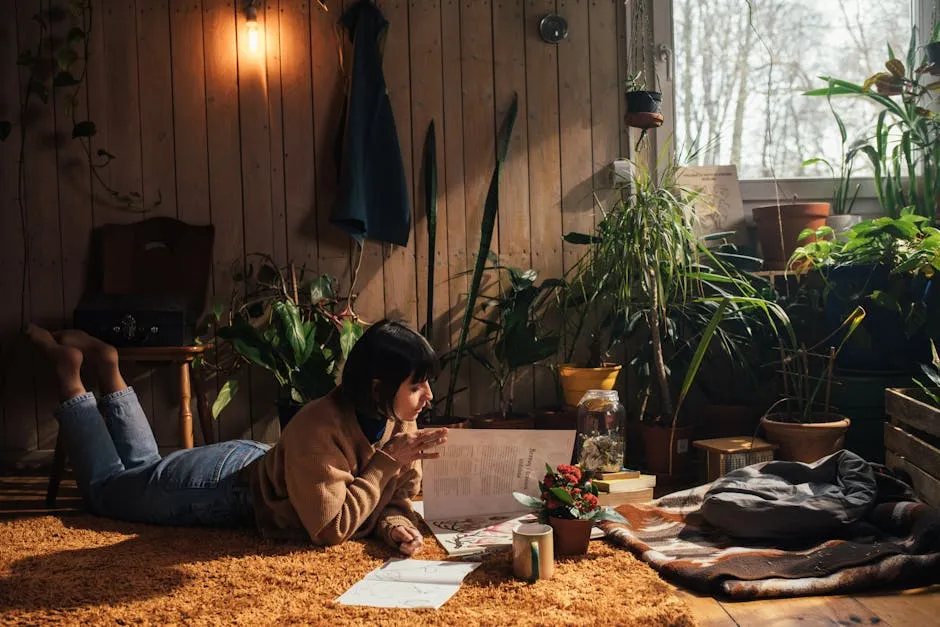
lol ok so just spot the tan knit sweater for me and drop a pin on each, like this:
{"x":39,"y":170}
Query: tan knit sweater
{"x":325,"y":481}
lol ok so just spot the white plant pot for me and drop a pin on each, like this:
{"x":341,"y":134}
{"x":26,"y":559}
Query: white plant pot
{"x":842,"y":223}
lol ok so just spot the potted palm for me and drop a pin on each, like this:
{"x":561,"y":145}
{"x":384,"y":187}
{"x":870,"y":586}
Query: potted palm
{"x":289,"y":326}
{"x":665,"y":291}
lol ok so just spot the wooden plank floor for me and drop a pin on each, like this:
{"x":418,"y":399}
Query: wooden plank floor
{"x":24,"y":496}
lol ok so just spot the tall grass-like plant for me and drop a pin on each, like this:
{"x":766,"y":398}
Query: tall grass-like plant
{"x":490,"y":213}
{"x":659,"y":284}
{"x":904,"y":149}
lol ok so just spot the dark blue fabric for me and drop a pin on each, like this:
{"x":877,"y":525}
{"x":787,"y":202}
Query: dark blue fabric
{"x":373,"y":194}
{"x":373,"y":428}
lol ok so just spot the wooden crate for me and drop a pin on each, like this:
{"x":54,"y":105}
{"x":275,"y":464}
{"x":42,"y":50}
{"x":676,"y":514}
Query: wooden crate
{"x":727,"y":454}
{"x":912,"y":440}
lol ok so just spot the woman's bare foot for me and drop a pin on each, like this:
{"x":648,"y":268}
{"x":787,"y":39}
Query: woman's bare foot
{"x":66,"y":360}
{"x":102,"y":355}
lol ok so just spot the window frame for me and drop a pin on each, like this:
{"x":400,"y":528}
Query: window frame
{"x":756,"y":191}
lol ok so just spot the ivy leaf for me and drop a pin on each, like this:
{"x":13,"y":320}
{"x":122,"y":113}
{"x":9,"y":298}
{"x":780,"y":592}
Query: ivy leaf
{"x":5,"y":128}
{"x":86,"y":128}
{"x":104,"y":153}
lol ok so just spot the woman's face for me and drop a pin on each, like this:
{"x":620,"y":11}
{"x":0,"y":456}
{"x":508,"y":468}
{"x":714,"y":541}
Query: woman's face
{"x":410,"y":399}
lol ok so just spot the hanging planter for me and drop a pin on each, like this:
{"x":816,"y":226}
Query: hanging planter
{"x":644,"y":109}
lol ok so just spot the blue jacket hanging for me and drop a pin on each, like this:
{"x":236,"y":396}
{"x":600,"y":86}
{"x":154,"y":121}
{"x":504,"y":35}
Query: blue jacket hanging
{"x":373,"y":193}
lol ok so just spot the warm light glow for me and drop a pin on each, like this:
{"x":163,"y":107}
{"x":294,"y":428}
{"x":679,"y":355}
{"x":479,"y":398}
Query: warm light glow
{"x":253,"y":36}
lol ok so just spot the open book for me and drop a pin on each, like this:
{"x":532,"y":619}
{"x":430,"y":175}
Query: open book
{"x":468,"y":501}
{"x":408,"y":583}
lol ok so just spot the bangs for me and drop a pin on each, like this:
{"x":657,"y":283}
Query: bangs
{"x":424,"y":362}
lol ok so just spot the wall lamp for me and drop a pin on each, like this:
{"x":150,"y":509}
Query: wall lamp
{"x":251,"y":20}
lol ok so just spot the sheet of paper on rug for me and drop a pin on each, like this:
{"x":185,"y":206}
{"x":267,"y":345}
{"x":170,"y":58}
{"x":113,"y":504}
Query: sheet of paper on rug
{"x":408,"y":583}
{"x":718,"y":207}
{"x":467,"y":491}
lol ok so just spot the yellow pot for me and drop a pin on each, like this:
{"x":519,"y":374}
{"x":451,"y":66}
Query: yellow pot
{"x":576,"y":381}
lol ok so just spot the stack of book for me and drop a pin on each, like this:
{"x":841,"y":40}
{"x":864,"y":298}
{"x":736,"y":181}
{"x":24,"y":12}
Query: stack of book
{"x":625,"y":486}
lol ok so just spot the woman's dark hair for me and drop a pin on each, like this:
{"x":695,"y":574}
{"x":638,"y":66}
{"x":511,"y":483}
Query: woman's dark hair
{"x":388,"y":352}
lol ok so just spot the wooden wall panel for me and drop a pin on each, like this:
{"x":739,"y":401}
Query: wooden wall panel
{"x":399,"y":273}
{"x":42,"y":223}
{"x":248,"y":142}
{"x":509,"y":59}
{"x":16,"y":378}
{"x":158,"y":172}
{"x":479,"y":154}
{"x":452,"y":181}
{"x":225,"y":174}
{"x":427,"y":106}
{"x":544,"y":164}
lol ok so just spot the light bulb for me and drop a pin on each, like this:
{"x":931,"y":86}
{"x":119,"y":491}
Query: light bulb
{"x":253,"y":36}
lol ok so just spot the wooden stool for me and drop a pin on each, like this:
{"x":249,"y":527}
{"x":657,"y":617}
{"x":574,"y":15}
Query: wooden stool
{"x":727,"y":454}
{"x":189,"y":385}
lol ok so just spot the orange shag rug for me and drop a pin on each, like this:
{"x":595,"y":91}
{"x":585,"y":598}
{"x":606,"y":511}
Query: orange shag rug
{"x":83,"y":569}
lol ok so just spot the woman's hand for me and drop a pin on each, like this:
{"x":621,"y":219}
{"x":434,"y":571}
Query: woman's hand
{"x":409,"y":539}
{"x":405,"y":448}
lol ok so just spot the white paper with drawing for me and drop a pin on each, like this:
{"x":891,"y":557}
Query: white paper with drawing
{"x":467,"y":492}
{"x":718,"y":207}
{"x":408,"y":583}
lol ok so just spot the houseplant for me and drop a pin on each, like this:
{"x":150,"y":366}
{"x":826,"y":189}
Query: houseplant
{"x":643,"y":106}
{"x":512,"y":338}
{"x":807,"y":427}
{"x":887,"y":265}
{"x":291,"y":327}
{"x":650,"y":280}
{"x":904,"y":150}
{"x":568,"y":502}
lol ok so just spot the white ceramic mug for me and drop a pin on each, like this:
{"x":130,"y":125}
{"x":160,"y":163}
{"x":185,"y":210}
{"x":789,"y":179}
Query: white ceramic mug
{"x":533,"y":552}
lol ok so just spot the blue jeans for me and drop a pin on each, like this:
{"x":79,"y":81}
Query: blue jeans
{"x":121,"y":474}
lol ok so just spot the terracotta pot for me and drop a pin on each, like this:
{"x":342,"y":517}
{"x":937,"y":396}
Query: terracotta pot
{"x":571,"y":536}
{"x":793,"y":217}
{"x":495,"y":420}
{"x":576,"y":381}
{"x":656,"y":446}
{"x":806,"y":441}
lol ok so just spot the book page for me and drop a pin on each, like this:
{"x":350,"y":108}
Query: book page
{"x":408,"y":583}
{"x":479,"y":469}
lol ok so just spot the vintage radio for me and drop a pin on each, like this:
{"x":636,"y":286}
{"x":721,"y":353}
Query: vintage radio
{"x":136,"y":319}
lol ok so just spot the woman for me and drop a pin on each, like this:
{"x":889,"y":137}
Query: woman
{"x":345,"y":467}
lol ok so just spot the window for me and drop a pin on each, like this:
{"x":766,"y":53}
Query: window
{"x":733,"y":74}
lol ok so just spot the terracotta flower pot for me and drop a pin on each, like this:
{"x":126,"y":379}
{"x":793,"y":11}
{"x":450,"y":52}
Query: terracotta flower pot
{"x":571,"y":536}
{"x":806,"y":441}
{"x":778,"y":228}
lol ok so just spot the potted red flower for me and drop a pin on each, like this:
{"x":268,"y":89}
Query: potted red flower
{"x":568,"y":502}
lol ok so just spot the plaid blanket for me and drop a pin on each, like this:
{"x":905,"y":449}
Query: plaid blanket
{"x":896,"y":543}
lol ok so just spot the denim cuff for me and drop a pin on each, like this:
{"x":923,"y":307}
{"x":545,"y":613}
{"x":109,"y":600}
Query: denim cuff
{"x":75,"y":401}
{"x":116,"y":396}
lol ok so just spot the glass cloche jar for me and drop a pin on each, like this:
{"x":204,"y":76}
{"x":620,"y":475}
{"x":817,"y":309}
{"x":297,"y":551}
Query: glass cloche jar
{"x":602,"y":427}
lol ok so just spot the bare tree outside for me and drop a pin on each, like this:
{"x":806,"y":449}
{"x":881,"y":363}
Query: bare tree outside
{"x":741,"y":70}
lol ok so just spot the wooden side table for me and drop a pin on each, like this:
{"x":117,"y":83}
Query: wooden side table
{"x":189,"y":385}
